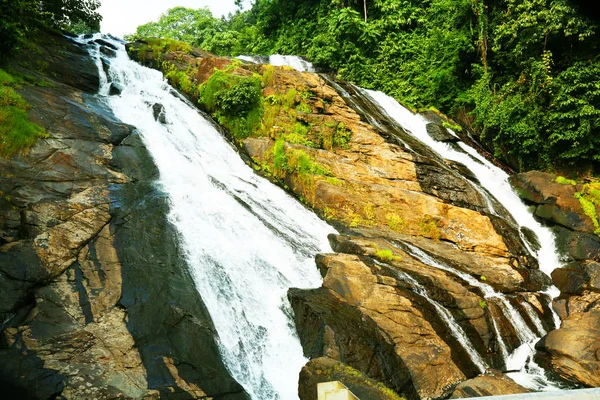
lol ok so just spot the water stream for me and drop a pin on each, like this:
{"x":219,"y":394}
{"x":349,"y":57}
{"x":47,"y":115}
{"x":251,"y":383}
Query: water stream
{"x":247,"y":241}
{"x":495,"y":182}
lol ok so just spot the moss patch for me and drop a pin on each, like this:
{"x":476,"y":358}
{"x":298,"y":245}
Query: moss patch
{"x":17,"y":132}
{"x":564,"y":181}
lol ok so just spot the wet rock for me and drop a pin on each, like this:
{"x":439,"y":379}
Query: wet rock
{"x":375,"y":323}
{"x":577,"y":277}
{"x":577,"y":245}
{"x":572,"y":351}
{"x":106,"y":43}
{"x":324,"y":369}
{"x":158,"y":111}
{"x":87,"y":308}
{"x":493,"y":383}
{"x":107,"y":51}
{"x":556,"y":202}
{"x":115,"y":89}
{"x":440,"y":133}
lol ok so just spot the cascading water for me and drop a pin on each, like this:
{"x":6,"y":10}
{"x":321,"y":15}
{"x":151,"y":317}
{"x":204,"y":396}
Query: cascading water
{"x":495,"y":182}
{"x":455,"y":329}
{"x":279,"y":61}
{"x":245,"y":239}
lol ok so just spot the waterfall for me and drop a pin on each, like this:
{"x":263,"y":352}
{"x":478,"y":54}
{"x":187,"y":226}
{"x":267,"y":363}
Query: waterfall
{"x":455,"y":329}
{"x":495,"y":182}
{"x":278,"y":60}
{"x":246,"y":241}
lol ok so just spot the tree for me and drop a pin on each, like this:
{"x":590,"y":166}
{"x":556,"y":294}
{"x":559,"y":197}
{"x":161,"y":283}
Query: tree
{"x":185,"y":24}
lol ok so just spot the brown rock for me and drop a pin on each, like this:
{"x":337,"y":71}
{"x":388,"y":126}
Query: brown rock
{"x":573,"y":351}
{"x":577,"y":277}
{"x":493,"y":383}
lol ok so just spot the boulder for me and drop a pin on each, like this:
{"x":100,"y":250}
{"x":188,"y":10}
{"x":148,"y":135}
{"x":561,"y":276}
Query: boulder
{"x":115,"y":89}
{"x":106,"y":43}
{"x":492,"y":383}
{"x":159,"y":113}
{"x":573,"y":350}
{"x":107,"y":51}
{"x":577,"y":245}
{"x":555,"y":202}
{"x":577,"y":277}
{"x":325,"y":369}
{"x":440,"y":133}
{"x":377,"y":326}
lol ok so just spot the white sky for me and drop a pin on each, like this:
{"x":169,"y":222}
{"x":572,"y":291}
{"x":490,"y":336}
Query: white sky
{"x":123,"y":16}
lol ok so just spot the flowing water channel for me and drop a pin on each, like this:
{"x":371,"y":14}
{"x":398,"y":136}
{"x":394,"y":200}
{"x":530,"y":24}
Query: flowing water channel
{"x":248,"y":242}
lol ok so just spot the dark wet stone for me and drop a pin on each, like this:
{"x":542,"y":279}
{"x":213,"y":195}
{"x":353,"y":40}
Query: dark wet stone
{"x":106,"y":43}
{"x":115,"y":89}
{"x":109,"y":52}
{"x":440,"y":133}
{"x":159,"y":113}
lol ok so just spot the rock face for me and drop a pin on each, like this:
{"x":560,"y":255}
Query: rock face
{"x":384,"y":310}
{"x":572,"y":351}
{"x":557,"y":204}
{"x":95,"y":297}
{"x":493,"y":383}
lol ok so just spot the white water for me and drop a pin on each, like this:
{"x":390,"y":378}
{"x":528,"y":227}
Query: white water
{"x":495,"y":182}
{"x":245,"y":239}
{"x":278,"y":60}
{"x":455,"y":329}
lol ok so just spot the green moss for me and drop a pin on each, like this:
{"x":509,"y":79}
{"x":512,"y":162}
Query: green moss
{"x":564,"y":181}
{"x":342,"y":135}
{"x":429,"y":228}
{"x":482,"y":303}
{"x":304,"y":164}
{"x":395,"y":222}
{"x":280,"y":162}
{"x":385,"y":255}
{"x":454,"y":127}
{"x":17,"y":132}
{"x":589,"y":208}
{"x":233,"y":100}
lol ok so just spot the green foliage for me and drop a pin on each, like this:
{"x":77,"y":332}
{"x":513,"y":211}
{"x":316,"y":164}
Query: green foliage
{"x":280,"y":162}
{"x":17,"y":133}
{"x":19,"y":19}
{"x":482,"y":304}
{"x":429,"y":228}
{"x":589,"y":198}
{"x":524,"y":73}
{"x":395,"y":222}
{"x":386,"y":255}
{"x":234,"y":101}
{"x":565,"y":181}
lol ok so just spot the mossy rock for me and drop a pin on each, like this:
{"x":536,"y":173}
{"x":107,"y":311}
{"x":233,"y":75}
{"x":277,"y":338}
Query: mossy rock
{"x":325,"y":369}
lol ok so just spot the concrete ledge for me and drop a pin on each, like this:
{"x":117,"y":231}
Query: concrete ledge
{"x":334,"y":391}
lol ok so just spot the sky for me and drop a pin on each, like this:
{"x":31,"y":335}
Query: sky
{"x":120,"y":17}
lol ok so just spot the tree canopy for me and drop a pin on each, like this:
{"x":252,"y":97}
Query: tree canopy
{"x":522,"y":74}
{"x":20,"y":18}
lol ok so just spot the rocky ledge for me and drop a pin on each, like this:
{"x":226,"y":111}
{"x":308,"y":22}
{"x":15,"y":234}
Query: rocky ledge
{"x":419,"y":245}
{"x":571,"y":209}
{"x":96,"y":301}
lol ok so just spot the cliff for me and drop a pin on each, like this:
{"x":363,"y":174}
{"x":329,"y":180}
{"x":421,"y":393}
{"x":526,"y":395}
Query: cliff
{"x":376,"y":312}
{"x":96,"y":300}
